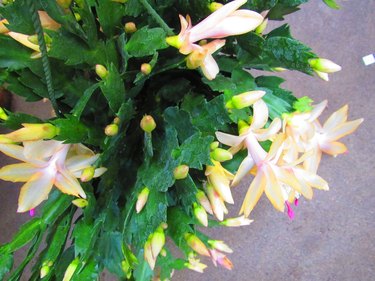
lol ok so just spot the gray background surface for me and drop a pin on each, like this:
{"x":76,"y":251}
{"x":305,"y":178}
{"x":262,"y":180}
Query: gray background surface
{"x":332,"y":236}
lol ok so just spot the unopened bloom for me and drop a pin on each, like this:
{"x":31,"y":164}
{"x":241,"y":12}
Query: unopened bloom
{"x":181,"y":172}
{"x":153,"y":246}
{"x":201,"y":214}
{"x":142,"y":199}
{"x":220,"y":246}
{"x":47,"y":163}
{"x":203,"y":200}
{"x":235,"y":222}
{"x":196,"y":244}
{"x":220,"y":178}
{"x":195,"y":264}
{"x":33,"y":132}
{"x":148,"y":123}
{"x":323,"y":66}
{"x":217,"y":202}
{"x":221,"y":259}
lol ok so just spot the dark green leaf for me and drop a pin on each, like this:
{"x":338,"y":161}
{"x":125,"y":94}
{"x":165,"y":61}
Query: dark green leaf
{"x":146,"y":41}
{"x":6,"y":264}
{"x":15,"y":120}
{"x":181,"y":121}
{"x":18,"y":16}
{"x":82,"y":102}
{"x":109,"y":16}
{"x":71,"y":130}
{"x":142,"y":272}
{"x":13,"y":55}
{"x":110,"y":249}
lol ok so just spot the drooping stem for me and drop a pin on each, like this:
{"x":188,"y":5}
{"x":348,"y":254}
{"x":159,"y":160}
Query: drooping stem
{"x":156,"y":17}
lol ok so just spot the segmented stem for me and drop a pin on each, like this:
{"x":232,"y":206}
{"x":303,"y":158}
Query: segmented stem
{"x":156,"y":17}
{"x":43,"y":49}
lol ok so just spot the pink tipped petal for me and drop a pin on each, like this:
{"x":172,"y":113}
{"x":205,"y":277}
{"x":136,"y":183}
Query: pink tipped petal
{"x":229,"y":140}
{"x":337,"y":118}
{"x":34,"y":192}
{"x":343,"y":130}
{"x":243,"y":170}
{"x":333,"y":148}
{"x":32,"y":213}
{"x":21,"y":172}
{"x":289,"y":210}
{"x":69,"y":184}
{"x":260,"y":116}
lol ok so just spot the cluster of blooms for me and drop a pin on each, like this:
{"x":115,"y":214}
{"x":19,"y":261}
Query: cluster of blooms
{"x":46,"y":163}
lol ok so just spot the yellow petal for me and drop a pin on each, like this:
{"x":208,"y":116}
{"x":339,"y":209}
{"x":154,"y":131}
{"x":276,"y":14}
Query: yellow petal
{"x":18,"y":172}
{"x":228,"y":139}
{"x":273,"y":190}
{"x":69,"y":184}
{"x":23,"y":39}
{"x":34,"y":192}
{"x":312,"y":163}
{"x":338,"y":117}
{"x":266,"y":134}
{"x":343,"y":130}
{"x":253,"y":194}
{"x":79,"y":162}
{"x":314,"y":180}
{"x":14,"y":151}
{"x":333,"y":148}
{"x":243,"y":170}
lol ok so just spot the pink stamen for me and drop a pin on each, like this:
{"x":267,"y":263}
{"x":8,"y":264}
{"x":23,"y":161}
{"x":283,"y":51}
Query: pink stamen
{"x":296,"y":202}
{"x":32,"y":212}
{"x":290,"y":210}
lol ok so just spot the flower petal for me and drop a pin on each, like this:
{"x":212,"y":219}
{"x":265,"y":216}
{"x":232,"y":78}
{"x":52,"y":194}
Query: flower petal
{"x":34,"y":192}
{"x":228,"y":139}
{"x":260,"y":116}
{"x":333,"y":148}
{"x":253,"y":194}
{"x":79,"y":162}
{"x":343,"y":130}
{"x":243,"y":170}
{"x":337,"y":118}
{"x":41,"y":150}
{"x":266,"y":134}
{"x":99,"y":171}
{"x":21,"y":172}
{"x":273,"y":190}
{"x":209,"y":67}
{"x":68,"y":184}
{"x":14,"y":151}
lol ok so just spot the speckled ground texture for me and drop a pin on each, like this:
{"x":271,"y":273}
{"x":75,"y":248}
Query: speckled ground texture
{"x":332,"y":236}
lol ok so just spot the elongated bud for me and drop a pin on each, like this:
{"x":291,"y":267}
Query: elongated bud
{"x":77,"y":16}
{"x":246,"y":99}
{"x":235,"y":222}
{"x":214,"y":6}
{"x":87,"y":174}
{"x":130,"y":27}
{"x":200,"y":214}
{"x":196,"y":244}
{"x":146,"y":68}
{"x":278,"y":69}
{"x":142,"y":199}
{"x":65,"y":4}
{"x":262,"y":26}
{"x":3,"y":115}
{"x":71,"y":269}
{"x":157,"y":241}
{"x":181,"y":172}
{"x":221,"y":155}
{"x":111,"y":130}
{"x":324,"y":65}
{"x":101,"y":71}
{"x":214,"y":145}
{"x":44,"y":271}
{"x":203,"y":200}
{"x":195,"y":265}
{"x":242,"y":126}
{"x":322,"y":75}
{"x":148,"y":123}
{"x":148,"y":256}
{"x":80,"y":203}
{"x":174,"y":41}
{"x":220,"y":246}
{"x":116,"y":121}
{"x":33,"y":132}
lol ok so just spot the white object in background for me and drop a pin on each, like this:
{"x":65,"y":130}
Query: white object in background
{"x":370,"y":59}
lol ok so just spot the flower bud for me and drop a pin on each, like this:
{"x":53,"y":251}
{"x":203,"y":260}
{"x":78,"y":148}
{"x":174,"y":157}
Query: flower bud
{"x":324,"y":65}
{"x":262,"y":27}
{"x":200,"y":214}
{"x":111,"y":130}
{"x":148,"y":256}
{"x":278,"y":69}
{"x":235,"y":222}
{"x":71,"y":269}
{"x":44,"y":271}
{"x":33,"y":132}
{"x":148,"y":123}
{"x":181,"y":172}
{"x":80,"y":203}
{"x":87,"y":174}
{"x":246,"y":99}
{"x":3,"y":115}
{"x":157,"y":241}
{"x":214,"y":6}
{"x":130,"y":27}
{"x":195,"y":265}
{"x":77,"y":16}
{"x":142,"y":199}
{"x":116,"y":121}
{"x":220,"y":246}
{"x":214,"y":145}
{"x":203,"y":200}
{"x":65,"y":4}
{"x":101,"y":71}
{"x":146,"y":68}
{"x":322,"y":75}
{"x":196,"y":244}
{"x":221,"y":155}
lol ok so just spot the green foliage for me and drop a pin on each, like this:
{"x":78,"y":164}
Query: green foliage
{"x":332,"y":4}
{"x":108,"y":233}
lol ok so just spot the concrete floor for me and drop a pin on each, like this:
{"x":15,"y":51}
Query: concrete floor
{"x":332,"y":236}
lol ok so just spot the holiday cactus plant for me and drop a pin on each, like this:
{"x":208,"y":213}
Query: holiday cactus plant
{"x":156,"y":116}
